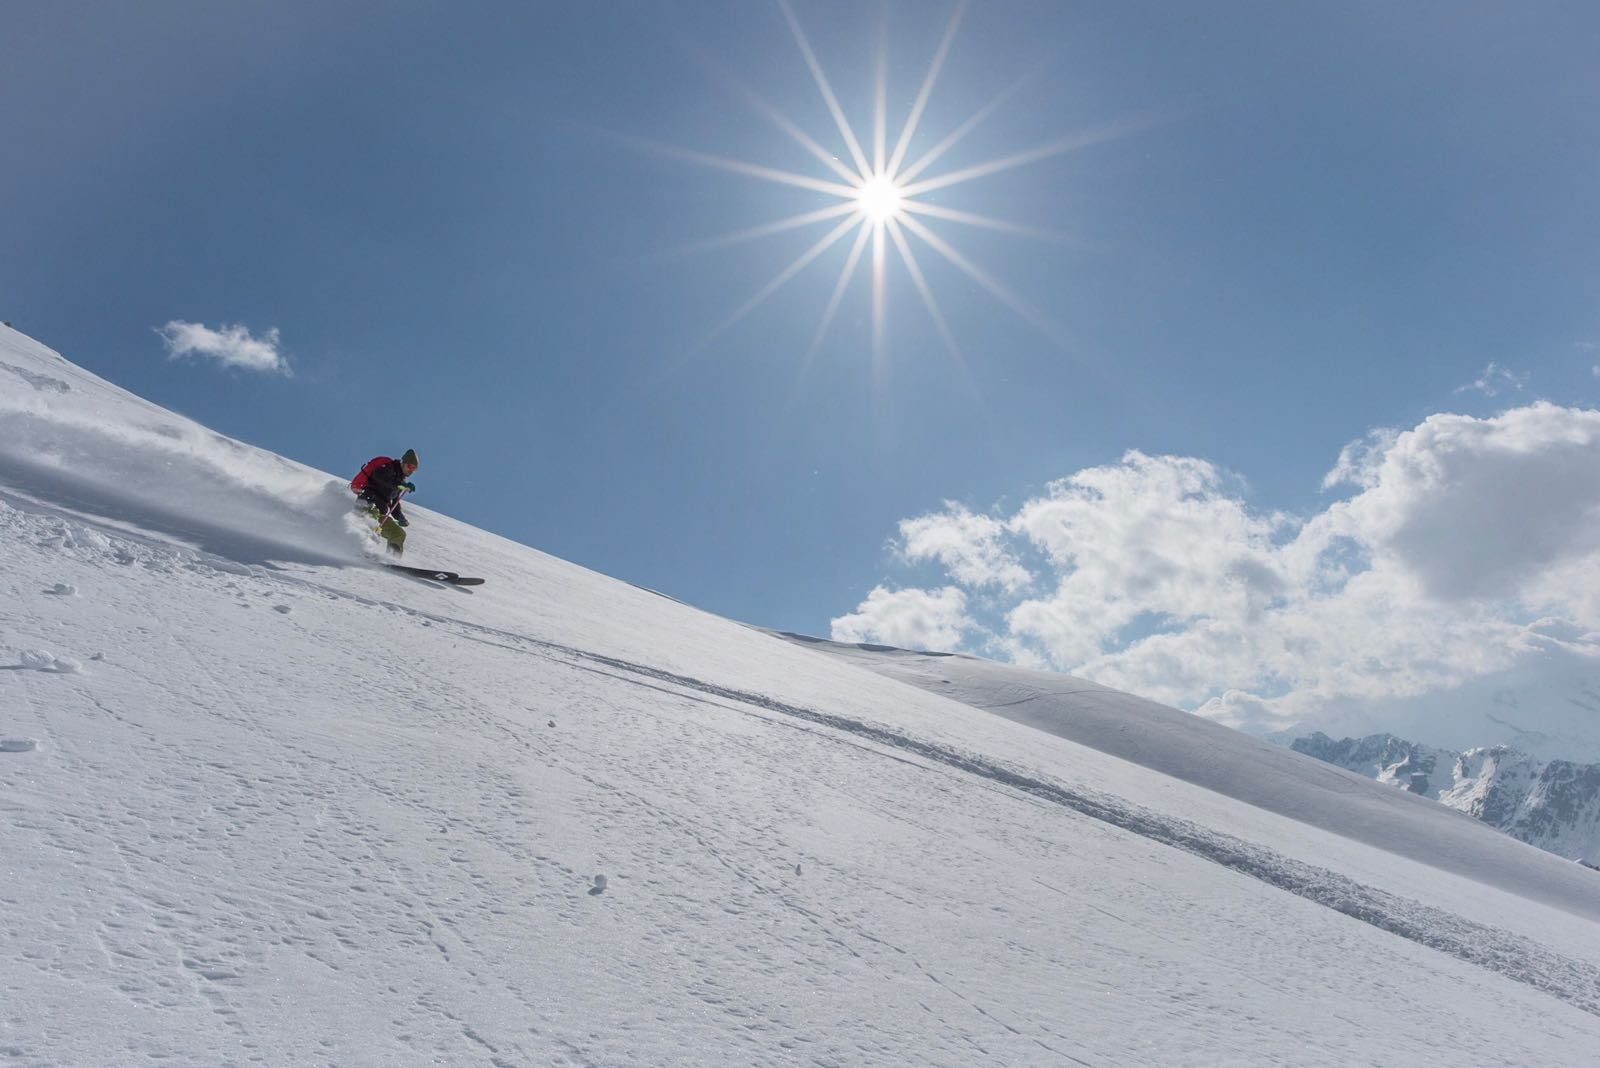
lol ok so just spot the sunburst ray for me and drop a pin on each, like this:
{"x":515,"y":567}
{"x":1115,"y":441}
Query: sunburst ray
{"x":880,"y":287}
{"x":800,"y":263}
{"x":777,"y":226}
{"x":739,"y":166}
{"x":827,"y":90}
{"x":847,"y":272}
{"x":880,"y":104}
{"x":986,"y":222}
{"x":921,"y":283}
{"x":719,"y":73}
{"x":982,"y":277}
{"x":787,"y":125}
{"x":950,"y":140}
{"x":921,"y":102}
{"x":1107,"y":132}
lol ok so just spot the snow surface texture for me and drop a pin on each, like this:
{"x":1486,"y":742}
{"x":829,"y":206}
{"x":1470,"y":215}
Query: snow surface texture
{"x":264,"y":802}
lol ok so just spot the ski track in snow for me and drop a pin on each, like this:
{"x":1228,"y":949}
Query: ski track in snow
{"x":219,"y":946}
{"x":166,"y":950}
{"x":1515,"y":957}
{"x":1510,"y":955}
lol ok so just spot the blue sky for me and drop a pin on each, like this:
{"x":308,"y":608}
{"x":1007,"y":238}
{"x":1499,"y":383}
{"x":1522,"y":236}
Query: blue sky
{"x":1318,"y":220}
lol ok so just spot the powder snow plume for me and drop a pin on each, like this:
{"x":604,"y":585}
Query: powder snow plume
{"x":70,"y":436}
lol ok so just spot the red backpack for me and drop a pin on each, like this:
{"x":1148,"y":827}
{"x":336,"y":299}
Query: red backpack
{"x":359,"y":483}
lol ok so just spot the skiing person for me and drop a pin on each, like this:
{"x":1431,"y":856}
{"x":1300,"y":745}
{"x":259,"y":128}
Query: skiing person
{"x":379,"y":485}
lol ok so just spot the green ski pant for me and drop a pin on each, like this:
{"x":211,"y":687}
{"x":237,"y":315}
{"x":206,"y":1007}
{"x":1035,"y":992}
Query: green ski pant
{"x":392,"y":532}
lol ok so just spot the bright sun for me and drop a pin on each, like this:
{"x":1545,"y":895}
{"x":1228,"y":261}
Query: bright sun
{"x":879,"y":193}
{"x":879,"y":199}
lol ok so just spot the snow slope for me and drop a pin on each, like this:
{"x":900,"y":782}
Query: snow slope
{"x":1207,"y":754}
{"x":262,"y":802}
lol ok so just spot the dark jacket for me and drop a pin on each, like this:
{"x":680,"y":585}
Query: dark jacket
{"x":381,"y":488}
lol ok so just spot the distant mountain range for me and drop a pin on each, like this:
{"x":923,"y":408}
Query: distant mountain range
{"x":1552,"y":804}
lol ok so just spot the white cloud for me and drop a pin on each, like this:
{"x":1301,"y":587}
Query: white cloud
{"x":231,"y":346}
{"x":1495,"y":380}
{"x":1479,"y":507}
{"x":933,"y":620}
{"x":1153,"y":538}
{"x":968,"y":545}
{"x":1458,"y":572}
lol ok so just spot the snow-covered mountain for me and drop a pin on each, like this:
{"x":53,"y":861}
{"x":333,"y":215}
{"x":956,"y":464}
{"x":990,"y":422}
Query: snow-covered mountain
{"x":262,"y":801}
{"x":1422,"y":769}
{"x":1553,"y":804}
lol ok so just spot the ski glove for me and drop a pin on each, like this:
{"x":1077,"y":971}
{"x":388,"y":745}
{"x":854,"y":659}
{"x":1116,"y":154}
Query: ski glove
{"x":409,"y":487}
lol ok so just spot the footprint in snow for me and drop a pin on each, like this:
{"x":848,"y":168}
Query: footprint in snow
{"x":62,"y":589}
{"x":599,"y":886}
{"x":282,"y":608}
{"x":37,"y":660}
{"x":18,"y":745}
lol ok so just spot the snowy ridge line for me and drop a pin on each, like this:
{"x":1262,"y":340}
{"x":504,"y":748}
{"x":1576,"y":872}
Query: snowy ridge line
{"x":1510,"y":955}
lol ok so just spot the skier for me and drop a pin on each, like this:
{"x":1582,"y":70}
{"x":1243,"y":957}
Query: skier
{"x":379,"y":485}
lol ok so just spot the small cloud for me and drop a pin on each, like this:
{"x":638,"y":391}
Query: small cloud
{"x":231,"y":346}
{"x":1494,"y":380}
{"x":1246,"y":712}
{"x":968,"y":545}
{"x":933,"y":620}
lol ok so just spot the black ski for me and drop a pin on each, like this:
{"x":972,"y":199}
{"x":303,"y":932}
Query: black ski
{"x":447,"y":577}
